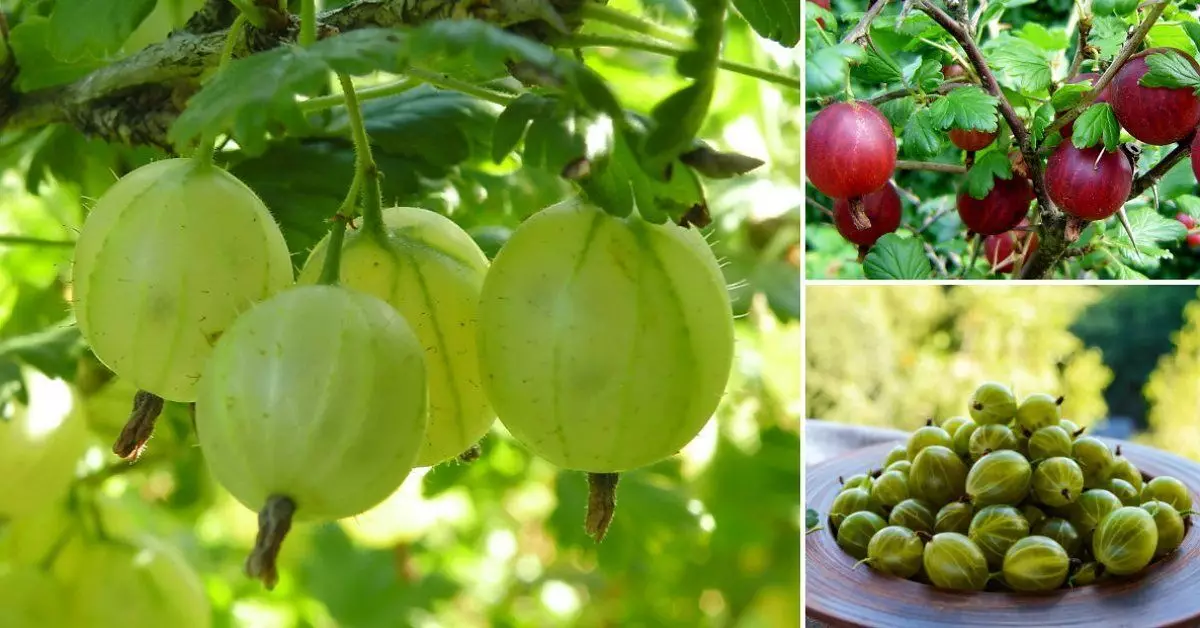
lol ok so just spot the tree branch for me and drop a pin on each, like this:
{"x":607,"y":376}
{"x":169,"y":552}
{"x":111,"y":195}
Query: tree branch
{"x":1085,"y":29}
{"x":942,"y":89}
{"x":930,"y":165}
{"x":136,"y":99}
{"x":1160,"y":169}
{"x":863,"y":28}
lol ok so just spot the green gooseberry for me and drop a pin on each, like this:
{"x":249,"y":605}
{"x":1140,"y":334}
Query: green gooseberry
{"x":954,"y":517}
{"x":1037,"y":411}
{"x":952,"y":424}
{"x":989,"y":438}
{"x":1169,"y":523}
{"x":962,"y":439}
{"x":1090,"y":509}
{"x":1072,"y":428}
{"x":1093,"y":457}
{"x":993,"y":404}
{"x":1088,"y":573}
{"x":953,"y":561}
{"x":914,"y":515}
{"x":849,"y":502}
{"x":1022,"y":444}
{"x":1057,"y":482}
{"x":1036,"y":563}
{"x":1123,"y":469}
{"x":903,"y":466}
{"x":858,"y":480}
{"x":1062,"y":532}
{"x":1050,"y":442}
{"x":1124,"y":491}
{"x":994,"y":529}
{"x":927,"y":436}
{"x":897,"y":453}
{"x":890,"y":489}
{"x":856,"y":531}
{"x":1001,"y":477}
{"x":938,"y":476}
{"x":1125,"y":540}
{"x":1165,"y":488}
{"x":897,"y":551}
{"x":1033,"y":514}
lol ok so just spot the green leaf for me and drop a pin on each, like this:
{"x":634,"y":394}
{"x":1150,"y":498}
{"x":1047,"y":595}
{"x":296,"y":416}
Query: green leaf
{"x":1108,"y":34}
{"x":894,"y":257}
{"x":965,"y":108}
{"x":30,"y":41}
{"x":512,"y":122}
{"x":921,"y":137}
{"x":989,"y":166}
{"x":899,"y":110}
{"x":1042,"y":119}
{"x":1095,"y":124}
{"x":1019,"y":63}
{"x":1170,"y":35}
{"x":1189,"y":205}
{"x":778,"y":20}
{"x":927,"y":76}
{"x":1044,"y":38}
{"x":93,"y":29}
{"x":1170,"y":70}
{"x":825,"y":71}
{"x":54,"y":351}
{"x":1153,"y":232}
{"x":1069,"y":95}
{"x":877,"y":69}
{"x":812,"y":519}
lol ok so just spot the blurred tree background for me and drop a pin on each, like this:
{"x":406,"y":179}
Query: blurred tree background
{"x":1126,"y":358}
{"x":707,"y":538}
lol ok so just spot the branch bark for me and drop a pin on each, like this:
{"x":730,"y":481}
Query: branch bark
{"x":863,"y":28}
{"x":897,"y":94}
{"x":930,"y":165}
{"x":135,"y":99}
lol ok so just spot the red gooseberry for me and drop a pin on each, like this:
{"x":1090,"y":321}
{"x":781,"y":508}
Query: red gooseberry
{"x":851,"y":150}
{"x":1001,"y":210}
{"x":1089,"y":183}
{"x":1153,"y":115}
{"x":953,"y":70}
{"x":883,"y":209}
{"x":1193,"y":239}
{"x":972,"y":139}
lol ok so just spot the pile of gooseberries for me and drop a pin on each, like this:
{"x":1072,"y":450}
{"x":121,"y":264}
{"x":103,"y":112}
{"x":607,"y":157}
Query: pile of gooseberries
{"x":1010,"y":497}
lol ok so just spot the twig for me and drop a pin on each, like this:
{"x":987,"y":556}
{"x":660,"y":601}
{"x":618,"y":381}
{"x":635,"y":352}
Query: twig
{"x":1131,"y":45}
{"x":930,"y":165}
{"x":815,"y":205}
{"x":863,"y":28}
{"x":931,"y":253}
{"x":16,"y":239}
{"x":1160,"y":169}
{"x":944,"y":88}
{"x":934,"y":217}
{"x":1085,"y":29}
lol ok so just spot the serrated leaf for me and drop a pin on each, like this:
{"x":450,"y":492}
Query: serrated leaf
{"x":1069,"y":95}
{"x":1042,"y":119}
{"x":1097,"y":123}
{"x":1169,"y":70}
{"x":93,"y":29}
{"x":1044,"y":38}
{"x":825,"y":71}
{"x":921,"y":138}
{"x":988,"y":167}
{"x":1122,"y":272}
{"x":927,"y":76}
{"x":893,"y":257}
{"x":965,"y":108}
{"x":1152,"y":231}
{"x":1193,"y":32}
{"x":1019,"y":63}
{"x":877,"y":69}
{"x":1170,"y":35}
{"x":777,"y":20}
{"x":30,"y":41}
{"x":1108,"y":34}
{"x":898,"y":111}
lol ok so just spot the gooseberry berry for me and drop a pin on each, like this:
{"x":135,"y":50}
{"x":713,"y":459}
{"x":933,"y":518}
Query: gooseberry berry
{"x":897,"y":551}
{"x":169,"y":256}
{"x":854,"y":535}
{"x":1050,"y":442}
{"x":1002,"y":209}
{"x":40,"y":443}
{"x":883,"y":211}
{"x":1032,"y":514}
{"x":1090,"y":509}
{"x":1169,"y":524}
{"x":1153,"y":115}
{"x":147,"y":585}
{"x":962,"y":439}
{"x":605,"y":343}
{"x":992,"y":403}
{"x":1165,"y":488}
{"x":1071,"y":427}
{"x":890,"y":489}
{"x":1007,"y":251}
{"x":953,"y":70}
{"x":902,"y":466}
{"x":972,"y":139}
{"x":1037,"y":411}
{"x":849,"y":502}
{"x":926,"y":437}
{"x":1088,"y":183}
{"x":1123,"y":469}
{"x":32,"y":598}
{"x":1035,"y":563}
{"x":1001,"y":477}
{"x":1124,"y":491}
{"x":856,"y":172}
{"x":994,"y":529}
{"x":824,"y":4}
{"x":989,"y":438}
{"x":334,"y":378}
{"x":954,"y":517}
{"x":895,"y":454}
{"x":1062,"y":532}
{"x":953,"y":561}
{"x":1125,"y":540}
{"x":951,"y":425}
{"x":914,"y":515}
{"x":858,"y":480}
{"x":1057,"y":482}
{"x":938,"y":476}
{"x":1093,"y":457}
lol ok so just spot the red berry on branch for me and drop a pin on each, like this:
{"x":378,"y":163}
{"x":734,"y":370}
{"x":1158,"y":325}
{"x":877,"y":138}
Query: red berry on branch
{"x":850,"y":149}
{"x":1001,"y":210}
{"x":972,"y":139}
{"x":883,"y":209}
{"x":1091,"y":183}
{"x":998,"y":249}
{"x":1153,"y":115}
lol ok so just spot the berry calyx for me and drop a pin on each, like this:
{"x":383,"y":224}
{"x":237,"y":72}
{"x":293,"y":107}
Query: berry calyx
{"x":1089,"y":183}
{"x":1001,"y":210}
{"x":1007,"y":251}
{"x":883,"y":210}
{"x":851,"y":152}
{"x":1153,"y":115}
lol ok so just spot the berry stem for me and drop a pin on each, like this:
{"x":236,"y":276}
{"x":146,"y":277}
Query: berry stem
{"x":274,"y":522}
{"x":365,"y":169}
{"x":204,"y":154}
{"x":633,"y":23}
{"x":321,"y":103}
{"x":446,"y":82}
{"x":602,"y":503}
{"x":308,"y":23}
{"x":140,"y":426}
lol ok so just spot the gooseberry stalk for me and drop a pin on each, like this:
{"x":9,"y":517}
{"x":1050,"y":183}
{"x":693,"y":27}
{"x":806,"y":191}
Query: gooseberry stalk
{"x":204,"y":154}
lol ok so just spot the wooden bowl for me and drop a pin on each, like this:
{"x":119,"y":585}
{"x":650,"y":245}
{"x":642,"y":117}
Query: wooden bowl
{"x":1167,"y":593}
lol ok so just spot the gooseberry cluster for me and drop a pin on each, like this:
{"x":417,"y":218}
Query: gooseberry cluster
{"x":1012,"y":494}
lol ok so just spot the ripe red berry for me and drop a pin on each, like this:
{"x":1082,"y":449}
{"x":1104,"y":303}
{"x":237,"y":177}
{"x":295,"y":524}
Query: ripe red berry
{"x":1091,"y":78}
{"x":882,"y":207}
{"x":1193,"y":239}
{"x":851,"y":150}
{"x":953,"y":70}
{"x":1154,"y":115}
{"x":972,"y":139}
{"x":999,"y":248}
{"x":824,"y":4}
{"x":1091,"y":183}
{"x":1001,"y":210}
